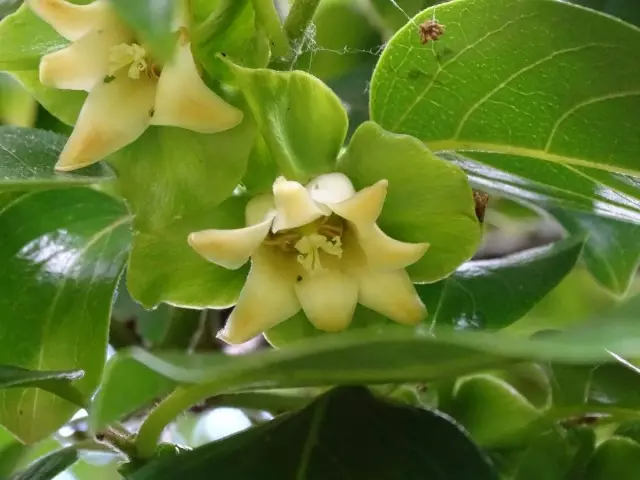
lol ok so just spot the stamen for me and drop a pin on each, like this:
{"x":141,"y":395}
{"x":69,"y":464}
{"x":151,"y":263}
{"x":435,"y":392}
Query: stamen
{"x":132,"y":55}
{"x":309,"y":247}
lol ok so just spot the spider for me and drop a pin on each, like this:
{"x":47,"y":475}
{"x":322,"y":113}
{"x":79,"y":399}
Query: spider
{"x":430,"y":30}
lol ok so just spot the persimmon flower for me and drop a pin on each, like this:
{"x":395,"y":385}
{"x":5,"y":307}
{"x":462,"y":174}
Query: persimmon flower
{"x":128,"y":89}
{"x":317,"y":248}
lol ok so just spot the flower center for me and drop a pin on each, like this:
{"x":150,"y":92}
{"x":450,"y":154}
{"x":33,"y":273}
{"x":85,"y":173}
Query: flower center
{"x":310,"y":240}
{"x":310,"y":246}
{"x":132,"y":55}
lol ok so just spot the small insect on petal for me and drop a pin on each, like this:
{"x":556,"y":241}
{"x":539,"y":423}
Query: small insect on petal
{"x":430,"y":30}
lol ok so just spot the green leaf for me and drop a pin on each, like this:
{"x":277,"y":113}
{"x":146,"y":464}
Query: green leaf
{"x":59,"y":273}
{"x":58,"y":383}
{"x":481,"y":400}
{"x":394,"y":14}
{"x":555,"y":455}
{"x":343,"y":434}
{"x":388,"y":355}
{"x":25,"y":39}
{"x":528,"y":103}
{"x":27,"y":158}
{"x":429,"y":200}
{"x":467,"y":299}
{"x":124,"y":374}
{"x":230,"y":29}
{"x":173,"y":180}
{"x":17,"y":107}
{"x":49,"y":466}
{"x":153,"y":22}
{"x":611,"y":251}
{"x":617,"y":458}
{"x":12,"y":453}
{"x":556,"y":185}
{"x":301,"y":120}
{"x":609,"y":384}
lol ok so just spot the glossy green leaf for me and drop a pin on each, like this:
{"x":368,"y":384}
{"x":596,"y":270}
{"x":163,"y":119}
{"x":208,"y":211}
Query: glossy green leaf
{"x":528,"y":102}
{"x":492,"y":411}
{"x":173,"y":180}
{"x":428,"y":200}
{"x":124,"y":374}
{"x":301,"y":120}
{"x":58,"y":383}
{"x":27,"y":158}
{"x":467,"y":299}
{"x":611,"y":251}
{"x":153,"y":22}
{"x":49,"y":466}
{"x":344,"y":434}
{"x":617,"y":458}
{"x":556,"y":185}
{"x":59,"y":273}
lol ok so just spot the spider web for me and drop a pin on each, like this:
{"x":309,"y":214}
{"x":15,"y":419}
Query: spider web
{"x":309,"y":45}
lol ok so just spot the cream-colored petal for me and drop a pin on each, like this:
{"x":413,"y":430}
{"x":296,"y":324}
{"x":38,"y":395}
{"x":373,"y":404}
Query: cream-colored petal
{"x":386,"y":253}
{"x":81,"y":65}
{"x":382,"y":251}
{"x":114,"y":115}
{"x":75,"y":21}
{"x":391,"y":294}
{"x":294,"y":205}
{"x":183,"y":100}
{"x":267,"y":298}
{"x":259,"y":208}
{"x":363,"y":208}
{"x":328,"y":299}
{"x":229,"y":248}
{"x":331,"y":188}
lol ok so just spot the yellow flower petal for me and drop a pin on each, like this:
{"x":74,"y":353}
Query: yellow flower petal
{"x":391,"y":294}
{"x":75,"y":21}
{"x":229,"y":248}
{"x":386,"y":253}
{"x":294,"y":205}
{"x":331,"y":188}
{"x":183,"y":100}
{"x":259,"y":208}
{"x":363,"y":208}
{"x":81,"y":65}
{"x":328,"y":299}
{"x":114,"y":115}
{"x":267,"y":298}
{"x":382,"y":251}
